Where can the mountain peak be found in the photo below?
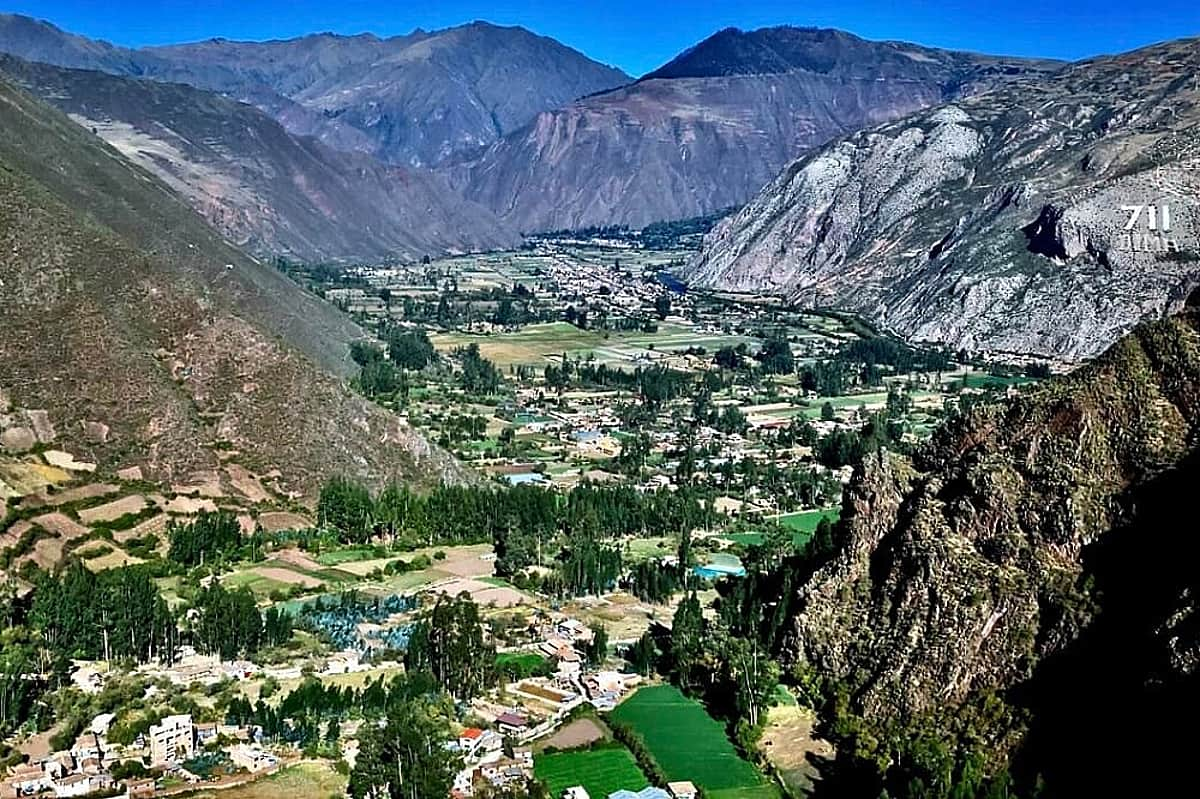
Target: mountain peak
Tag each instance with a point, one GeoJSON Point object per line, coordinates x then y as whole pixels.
{"type": "Point", "coordinates": [765, 51]}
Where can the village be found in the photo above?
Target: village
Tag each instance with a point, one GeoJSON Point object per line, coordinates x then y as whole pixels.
{"type": "Point", "coordinates": [162, 760]}
{"type": "Point", "coordinates": [551, 369]}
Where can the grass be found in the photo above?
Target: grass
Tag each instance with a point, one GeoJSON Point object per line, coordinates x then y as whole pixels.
{"type": "Point", "coordinates": [302, 781]}
{"type": "Point", "coordinates": [336, 557]}
{"type": "Point", "coordinates": [600, 771]}
{"type": "Point", "coordinates": [525, 661]}
{"type": "Point", "coordinates": [539, 344]}
{"type": "Point", "coordinates": [258, 585]}
{"type": "Point", "coordinates": [802, 524]}
{"type": "Point", "coordinates": [688, 744]}
{"type": "Point", "coordinates": [979, 380]}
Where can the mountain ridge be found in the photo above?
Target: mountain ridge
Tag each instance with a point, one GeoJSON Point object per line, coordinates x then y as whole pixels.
{"type": "Point", "coordinates": [993, 222]}
{"type": "Point", "coordinates": [270, 192]}
{"type": "Point", "coordinates": [682, 146]}
{"type": "Point", "coordinates": [462, 96]}
{"type": "Point", "coordinates": [125, 312]}
{"type": "Point", "coordinates": [976, 579]}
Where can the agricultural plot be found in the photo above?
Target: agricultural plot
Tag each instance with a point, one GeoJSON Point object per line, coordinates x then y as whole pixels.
{"type": "Point", "coordinates": [802, 524]}
{"type": "Point", "coordinates": [688, 744]}
{"type": "Point", "coordinates": [538, 345]}
{"type": "Point", "coordinates": [600, 771]}
{"type": "Point", "coordinates": [307, 780]}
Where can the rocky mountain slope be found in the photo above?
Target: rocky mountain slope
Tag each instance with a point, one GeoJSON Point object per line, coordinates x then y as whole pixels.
{"type": "Point", "coordinates": [1035, 552]}
{"type": "Point", "coordinates": [413, 99]}
{"type": "Point", "coordinates": [136, 333]}
{"type": "Point", "coordinates": [709, 129]}
{"type": "Point", "coordinates": [994, 222]}
{"type": "Point", "coordinates": [268, 191]}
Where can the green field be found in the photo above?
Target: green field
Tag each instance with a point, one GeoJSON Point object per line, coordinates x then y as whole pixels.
{"type": "Point", "coordinates": [688, 744]}
{"type": "Point", "coordinates": [541, 343]}
{"type": "Point", "coordinates": [521, 664]}
{"type": "Point", "coordinates": [802, 524]}
{"type": "Point", "coordinates": [600, 771]}
{"type": "Point", "coordinates": [336, 557]}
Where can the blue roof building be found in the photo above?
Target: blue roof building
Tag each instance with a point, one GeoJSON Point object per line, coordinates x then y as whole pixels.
{"type": "Point", "coordinates": [649, 792]}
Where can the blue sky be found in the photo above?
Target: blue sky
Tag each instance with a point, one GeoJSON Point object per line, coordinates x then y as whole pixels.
{"type": "Point", "coordinates": [639, 36]}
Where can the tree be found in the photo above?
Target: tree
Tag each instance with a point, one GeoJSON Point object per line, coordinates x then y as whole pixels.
{"type": "Point", "coordinates": [364, 352]}
{"type": "Point", "coordinates": [662, 306]}
{"type": "Point", "coordinates": [776, 357]}
{"type": "Point", "coordinates": [229, 624]}
{"type": "Point", "coordinates": [728, 358]}
{"type": "Point", "coordinates": [208, 536]}
{"type": "Point", "coordinates": [828, 414]}
{"type": "Point", "coordinates": [687, 646]}
{"type": "Point", "coordinates": [479, 375]}
{"type": "Point", "coordinates": [597, 649]}
{"type": "Point", "coordinates": [643, 654]}
{"type": "Point", "coordinates": [346, 506]}
{"type": "Point", "coordinates": [448, 642]}
{"type": "Point", "coordinates": [407, 757]}
{"type": "Point", "coordinates": [410, 349]}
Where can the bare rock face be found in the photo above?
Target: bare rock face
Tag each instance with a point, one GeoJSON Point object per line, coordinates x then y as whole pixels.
{"type": "Point", "coordinates": [18, 439]}
{"type": "Point", "coordinates": [962, 569]}
{"type": "Point", "coordinates": [94, 432]}
{"type": "Point", "coordinates": [39, 420]}
{"type": "Point", "coordinates": [708, 130]}
{"type": "Point", "coordinates": [998, 222]}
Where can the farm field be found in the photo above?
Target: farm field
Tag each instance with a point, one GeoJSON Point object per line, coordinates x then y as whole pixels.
{"type": "Point", "coordinates": [689, 744]}
{"type": "Point", "coordinates": [302, 781]}
{"type": "Point", "coordinates": [600, 771]}
{"type": "Point", "coordinates": [802, 524]}
{"type": "Point", "coordinates": [538, 345]}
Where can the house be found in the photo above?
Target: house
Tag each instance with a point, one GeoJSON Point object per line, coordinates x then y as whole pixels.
{"type": "Point", "coordinates": [139, 789]}
{"type": "Point", "coordinates": [171, 740]}
{"type": "Point", "coordinates": [469, 738]}
{"type": "Point", "coordinates": [464, 783]}
{"type": "Point", "coordinates": [523, 756]}
{"type": "Point", "coordinates": [26, 780]}
{"type": "Point", "coordinates": [512, 723]}
{"type": "Point", "coordinates": [81, 784]}
{"type": "Point", "coordinates": [649, 792]}
{"type": "Point", "coordinates": [682, 790]}
{"type": "Point", "coordinates": [205, 732]}
{"type": "Point", "coordinates": [251, 758]}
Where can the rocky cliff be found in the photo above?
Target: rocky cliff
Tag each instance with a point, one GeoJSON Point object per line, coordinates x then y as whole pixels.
{"type": "Point", "coordinates": [998, 221]}
{"type": "Point", "coordinates": [710, 128]}
{"type": "Point", "coordinates": [1040, 551]}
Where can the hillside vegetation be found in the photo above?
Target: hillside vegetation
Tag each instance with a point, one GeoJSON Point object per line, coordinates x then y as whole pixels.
{"type": "Point", "coordinates": [123, 308]}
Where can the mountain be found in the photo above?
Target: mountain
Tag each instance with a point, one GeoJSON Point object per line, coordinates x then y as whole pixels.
{"type": "Point", "coordinates": [270, 192]}
{"type": "Point", "coordinates": [136, 335]}
{"type": "Point", "coordinates": [994, 222]}
{"type": "Point", "coordinates": [413, 99]}
{"type": "Point", "coordinates": [1028, 577]}
{"type": "Point", "coordinates": [710, 128]}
